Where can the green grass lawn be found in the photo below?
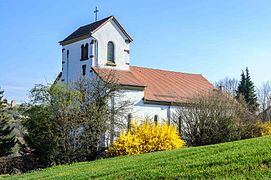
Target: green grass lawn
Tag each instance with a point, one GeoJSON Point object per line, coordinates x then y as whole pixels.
{"type": "Point", "coordinates": [247, 159]}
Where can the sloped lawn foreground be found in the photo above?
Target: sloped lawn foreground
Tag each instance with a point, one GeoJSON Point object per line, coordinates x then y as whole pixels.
{"type": "Point", "coordinates": [247, 159]}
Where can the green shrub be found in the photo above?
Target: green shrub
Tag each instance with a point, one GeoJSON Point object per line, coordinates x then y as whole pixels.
{"type": "Point", "coordinates": [247, 131]}
{"type": "Point", "coordinates": [40, 136]}
{"type": "Point", "coordinates": [256, 130]}
{"type": "Point", "coordinates": [15, 165]}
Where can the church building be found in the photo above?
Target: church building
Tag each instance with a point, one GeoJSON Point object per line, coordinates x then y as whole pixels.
{"type": "Point", "coordinates": [105, 45]}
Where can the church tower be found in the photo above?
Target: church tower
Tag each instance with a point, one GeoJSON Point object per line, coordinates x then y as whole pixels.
{"type": "Point", "coordinates": [103, 44]}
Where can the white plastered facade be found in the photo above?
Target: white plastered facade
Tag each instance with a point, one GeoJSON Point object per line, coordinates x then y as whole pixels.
{"type": "Point", "coordinates": [97, 56]}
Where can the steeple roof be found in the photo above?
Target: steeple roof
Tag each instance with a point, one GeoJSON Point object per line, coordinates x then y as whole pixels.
{"type": "Point", "coordinates": [87, 30]}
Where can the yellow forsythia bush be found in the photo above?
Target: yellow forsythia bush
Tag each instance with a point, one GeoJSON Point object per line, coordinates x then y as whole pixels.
{"type": "Point", "coordinates": [146, 138]}
{"type": "Point", "coordinates": [266, 129]}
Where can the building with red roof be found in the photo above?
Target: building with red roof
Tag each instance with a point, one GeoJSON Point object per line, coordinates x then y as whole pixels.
{"type": "Point", "coordinates": [104, 46]}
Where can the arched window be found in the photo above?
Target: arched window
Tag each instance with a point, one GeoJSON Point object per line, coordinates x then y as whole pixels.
{"type": "Point", "coordinates": [111, 52]}
{"type": "Point", "coordinates": [68, 53]}
{"type": "Point", "coordinates": [82, 51]}
{"type": "Point", "coordinates": [86, 52]}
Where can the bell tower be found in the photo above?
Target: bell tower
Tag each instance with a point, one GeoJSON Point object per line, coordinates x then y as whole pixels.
{"type": "Point", "coordinates": [103, 43]}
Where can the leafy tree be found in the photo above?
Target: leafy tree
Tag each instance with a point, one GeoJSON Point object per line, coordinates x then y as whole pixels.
{"type": "Point", "coordinates": [39, 136]}
{"type": "Point", "coordinates": [7, 141]}
{"type": "Point", "coordinates": [71, 123]}
{"type": "Point", "coordinates": [246, 91]}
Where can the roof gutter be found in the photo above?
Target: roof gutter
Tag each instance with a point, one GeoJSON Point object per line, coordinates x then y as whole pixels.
{"type": "Point", "coordinates": [166, 103]}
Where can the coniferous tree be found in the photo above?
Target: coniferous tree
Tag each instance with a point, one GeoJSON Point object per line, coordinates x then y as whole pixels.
{"type": "Point", "coordinates": [241, 90]}
{"type": "Point", "coordinates": [7, 141]}
{"type": "Point", "coordinates": [246, 90]}
{"type": "Point", "coordinates": [251, 93]}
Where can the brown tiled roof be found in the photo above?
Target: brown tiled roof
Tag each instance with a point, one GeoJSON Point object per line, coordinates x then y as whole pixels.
{"type": "Point", "coordinates": [125, 78]}
{"type": "Point", "coordinates": [90, 28]}
{"type": "Point", "coordinates": [162, 85]}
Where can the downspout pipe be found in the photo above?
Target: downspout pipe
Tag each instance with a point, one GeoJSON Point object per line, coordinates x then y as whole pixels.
{"type": "Point", "coordinates": [94, 52]}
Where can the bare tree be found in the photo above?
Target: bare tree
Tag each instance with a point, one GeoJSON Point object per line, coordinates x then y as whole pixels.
{"type": "Point", "coordinates": [210, 118]}
{"type": "Point", "coordinates": [264, 99]}
{"type": "Point", "coordinates": [104, 105]}
{"type": "Point", "coordinates": [228, 85]}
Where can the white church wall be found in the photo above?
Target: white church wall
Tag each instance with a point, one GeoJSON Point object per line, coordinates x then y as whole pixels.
{"type": "Point", "coordinates": [141, 110]}
{"type": "Point", "coordinates": [110, 32]}
{"type": "Point", "coordinates": [73, 64]}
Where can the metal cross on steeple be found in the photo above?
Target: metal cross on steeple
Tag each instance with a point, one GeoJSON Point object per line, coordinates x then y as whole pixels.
{"type": "Point", "coordinates": [96, 13]}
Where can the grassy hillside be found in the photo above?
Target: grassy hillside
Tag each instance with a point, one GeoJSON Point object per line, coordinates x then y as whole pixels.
{"type": "Point", "coordinates": [247, 159]}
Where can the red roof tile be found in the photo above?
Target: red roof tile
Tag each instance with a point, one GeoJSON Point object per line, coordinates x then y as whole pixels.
{"type": "Point", "coordinates": [123, 77]}
{"type": "Point", "coordinates": [161, 85]}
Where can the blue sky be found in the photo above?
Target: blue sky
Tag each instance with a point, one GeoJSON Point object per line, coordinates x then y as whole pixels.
{"type": "Point", "coordinates": [210, 37]}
